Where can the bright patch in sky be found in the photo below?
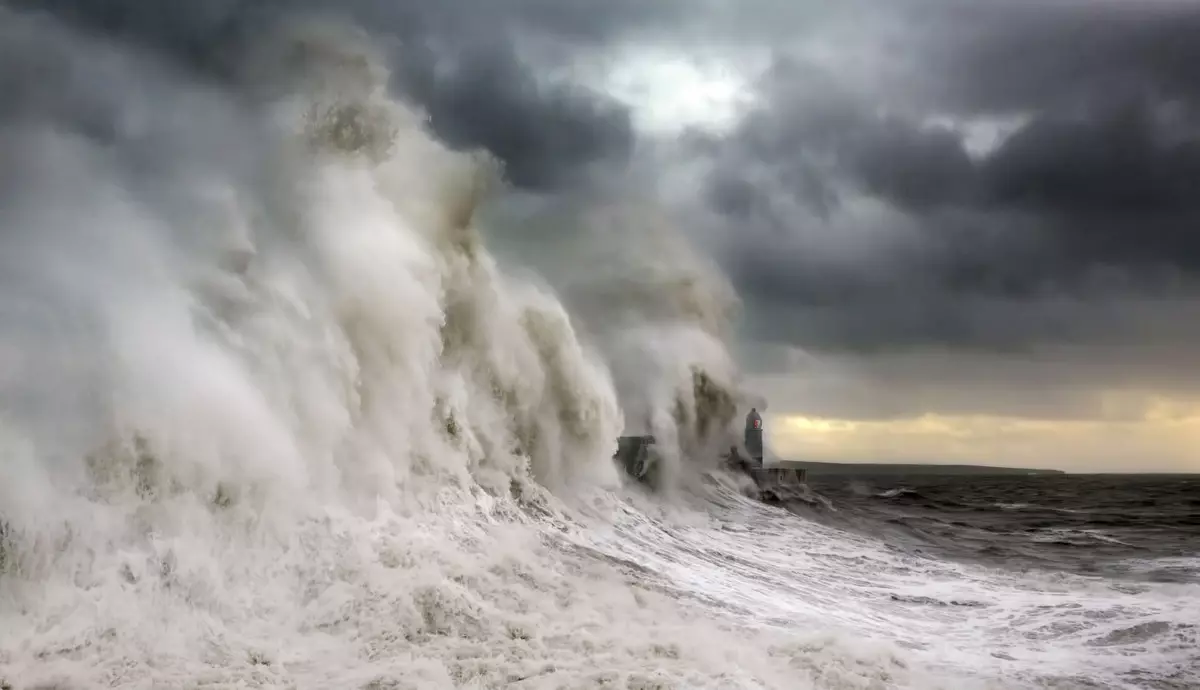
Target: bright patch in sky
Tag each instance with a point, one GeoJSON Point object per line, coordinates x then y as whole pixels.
{"type": "Point", "coordinates": [982, 136]}
{"type": "Point", "coordinates": [669, 93]}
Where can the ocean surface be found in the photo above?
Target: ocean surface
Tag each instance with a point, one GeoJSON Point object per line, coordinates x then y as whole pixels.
{"type": "Point", "coordinates": [273, 415]}
{"type": "Point", "coordinates": [1137, 527]}
{"type": "Point", "coordinates": [1024, 582]}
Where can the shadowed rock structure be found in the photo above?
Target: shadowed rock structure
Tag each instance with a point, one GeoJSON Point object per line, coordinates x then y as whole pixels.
{"type": "Point", "coordinates": [774, 482]}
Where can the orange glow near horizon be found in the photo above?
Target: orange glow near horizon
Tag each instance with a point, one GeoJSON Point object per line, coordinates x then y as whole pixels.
{"type": "Point", "coordinates": [1165, 438]}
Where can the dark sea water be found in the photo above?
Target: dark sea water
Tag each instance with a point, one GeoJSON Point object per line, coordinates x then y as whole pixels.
{"type": "Point", "coordinates": [1134, 527]}
{"type": "Point", "coordinates": [1082, 582]}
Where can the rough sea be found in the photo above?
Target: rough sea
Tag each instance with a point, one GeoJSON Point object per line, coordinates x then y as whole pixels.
{"type": "Point", "coordinates": [1022, 582]}
{"type": "Point", "coordinates": [1134, 527]}
{"type": "Point", "coordinates": [272, 415]}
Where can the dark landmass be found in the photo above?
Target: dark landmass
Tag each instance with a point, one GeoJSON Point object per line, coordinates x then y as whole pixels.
{"type": "Point", "coordinates": [888, 469]}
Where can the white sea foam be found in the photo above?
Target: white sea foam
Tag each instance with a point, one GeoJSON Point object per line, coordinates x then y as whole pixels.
{"type": "Point", "coordinates": [762, 564]}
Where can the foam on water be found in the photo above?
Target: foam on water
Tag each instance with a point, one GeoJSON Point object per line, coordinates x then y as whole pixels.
{"type": "Point", "coordinates": [274, 417]}
{"type": "Point", "coordinates": [1032, 629]}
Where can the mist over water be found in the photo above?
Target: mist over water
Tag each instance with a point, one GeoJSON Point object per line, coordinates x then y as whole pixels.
{"type": "Point", "coordinates": [273, 415]}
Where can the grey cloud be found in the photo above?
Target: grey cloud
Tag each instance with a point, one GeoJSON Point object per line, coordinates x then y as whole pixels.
{"type": "Point", "coordinates": [1093, 201]}
{"type": "Point", "coordinates": [460, 60]}
{"type": "Point", "coordinates": [848, 210]}
{"type": "Point", "coordinates": [996, 57]}
{"type": "Point", "coordinates": [1068, 383]}
{"type": "Point", "coordinates": [547, 136]}
{"type": "Point", "coordinates": [142, 120]}
{"type": "Point", "coordinates": [1122, 162]}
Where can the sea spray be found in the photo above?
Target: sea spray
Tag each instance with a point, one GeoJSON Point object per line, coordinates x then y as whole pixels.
{"type": "Point", "coordinates": [319, 423]}
{"type": "Point", "coordinates": [352, 340]}
{"type": "Point", "coordinates": [662, 315]}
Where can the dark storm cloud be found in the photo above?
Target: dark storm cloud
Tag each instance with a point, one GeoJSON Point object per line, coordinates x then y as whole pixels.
{"type": "Point", "coordinates": [863, 221]}
{"type": "Point", "coordinates": [848, 207]}
{"type": "Point", "coordinates": [461, 61]}
{"type": "Point", "coordinates": [993, 57]}
{"type": "Point", "coordinates": [546, 135]}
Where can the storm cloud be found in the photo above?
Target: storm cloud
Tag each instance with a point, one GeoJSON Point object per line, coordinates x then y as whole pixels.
{"type": "Point", "coordinates": [1015, 183]}
{"type": "Point", "coordinates": [478, 69]}
{"type": "Point", "coordinates": [866, 218]}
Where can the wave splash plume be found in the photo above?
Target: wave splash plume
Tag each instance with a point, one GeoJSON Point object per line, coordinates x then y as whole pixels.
{"type": "Point", "coordinates": [274, 417]}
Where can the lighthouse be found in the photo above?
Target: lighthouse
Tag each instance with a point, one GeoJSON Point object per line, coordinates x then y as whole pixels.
{"type": "Point", "coordinates": [754, 436]}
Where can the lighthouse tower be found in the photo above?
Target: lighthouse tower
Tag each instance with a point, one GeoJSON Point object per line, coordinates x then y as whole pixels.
{"type": "Point", "coordinates": [754, 436]}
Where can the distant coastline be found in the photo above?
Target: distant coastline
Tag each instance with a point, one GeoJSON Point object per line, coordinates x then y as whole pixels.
{"type": "Point", "coordinates": [857, 469]}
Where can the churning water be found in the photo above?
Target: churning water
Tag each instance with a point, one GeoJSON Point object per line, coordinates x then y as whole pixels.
{"type": "Point", "coordinates": [274, 417]}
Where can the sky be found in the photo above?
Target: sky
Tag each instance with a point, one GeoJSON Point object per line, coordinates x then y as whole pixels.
{"type": "Point", "coordinates": [958, 230]}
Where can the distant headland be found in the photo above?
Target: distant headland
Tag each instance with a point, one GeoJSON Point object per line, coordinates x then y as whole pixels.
{"type": "Point", "coordinates": [859, 469]}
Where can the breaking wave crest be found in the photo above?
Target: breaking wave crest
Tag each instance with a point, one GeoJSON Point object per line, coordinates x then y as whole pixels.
{"type": "Point", "coordinates": [274, 415]}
